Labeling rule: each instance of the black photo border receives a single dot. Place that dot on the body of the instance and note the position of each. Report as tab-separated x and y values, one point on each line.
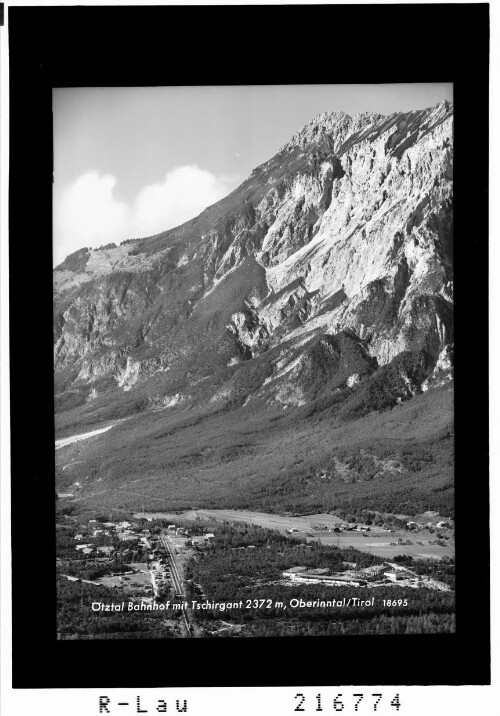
216	45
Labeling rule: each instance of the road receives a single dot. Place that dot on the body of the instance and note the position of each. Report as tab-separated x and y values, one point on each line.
175	574
62	442
83	436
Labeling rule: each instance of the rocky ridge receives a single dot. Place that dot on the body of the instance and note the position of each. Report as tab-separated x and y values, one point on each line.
333	259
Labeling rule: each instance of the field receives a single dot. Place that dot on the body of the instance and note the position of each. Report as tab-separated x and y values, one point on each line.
142	578
378	541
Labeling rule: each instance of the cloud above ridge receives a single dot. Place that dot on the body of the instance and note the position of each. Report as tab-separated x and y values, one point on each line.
184	192
87	213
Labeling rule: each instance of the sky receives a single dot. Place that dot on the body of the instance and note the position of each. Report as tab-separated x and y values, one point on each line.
131	162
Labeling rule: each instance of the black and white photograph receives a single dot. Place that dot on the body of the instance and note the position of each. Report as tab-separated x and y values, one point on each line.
253	352
248	342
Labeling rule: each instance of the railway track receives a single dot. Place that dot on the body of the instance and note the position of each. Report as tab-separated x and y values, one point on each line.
176	577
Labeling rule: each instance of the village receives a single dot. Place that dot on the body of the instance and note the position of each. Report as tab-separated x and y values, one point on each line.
147	561
340	526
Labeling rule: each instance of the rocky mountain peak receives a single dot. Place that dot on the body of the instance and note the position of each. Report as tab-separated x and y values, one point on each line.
346	231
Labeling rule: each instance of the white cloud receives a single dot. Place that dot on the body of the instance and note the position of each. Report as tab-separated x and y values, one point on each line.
183	194
87	213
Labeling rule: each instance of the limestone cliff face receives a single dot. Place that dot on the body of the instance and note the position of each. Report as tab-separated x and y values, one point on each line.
346	231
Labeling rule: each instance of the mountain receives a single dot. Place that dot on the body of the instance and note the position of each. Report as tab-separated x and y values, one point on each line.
321	289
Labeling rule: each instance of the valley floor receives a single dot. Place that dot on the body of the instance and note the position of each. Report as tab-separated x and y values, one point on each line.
378	540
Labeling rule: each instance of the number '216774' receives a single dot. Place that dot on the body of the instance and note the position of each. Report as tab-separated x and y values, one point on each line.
355	702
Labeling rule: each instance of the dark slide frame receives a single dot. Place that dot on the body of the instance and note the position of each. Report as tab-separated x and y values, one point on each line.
128	46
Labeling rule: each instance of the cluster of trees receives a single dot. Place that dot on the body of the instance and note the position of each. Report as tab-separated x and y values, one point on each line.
438	606
76	619
379	389
431	623
195	527
368	517
330	361
126	242
75	261
308	493
227	573
388	384
267	553
250	377
443	570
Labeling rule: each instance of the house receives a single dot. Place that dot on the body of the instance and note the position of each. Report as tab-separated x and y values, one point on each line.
106	549
338	580
209	537
314	577
293	571
373	573
377	569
